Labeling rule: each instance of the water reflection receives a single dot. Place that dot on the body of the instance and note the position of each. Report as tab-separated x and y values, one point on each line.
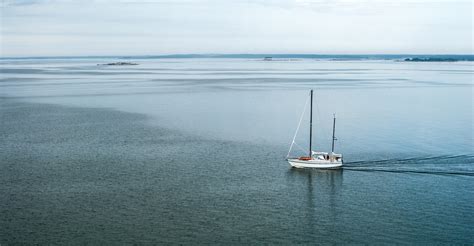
316	192
330	180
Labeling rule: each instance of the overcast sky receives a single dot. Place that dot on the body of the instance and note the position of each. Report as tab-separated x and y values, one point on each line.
153	27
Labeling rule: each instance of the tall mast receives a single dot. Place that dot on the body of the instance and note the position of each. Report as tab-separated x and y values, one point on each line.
333	133
311	123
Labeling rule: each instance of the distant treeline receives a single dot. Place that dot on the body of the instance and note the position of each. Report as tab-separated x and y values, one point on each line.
432	59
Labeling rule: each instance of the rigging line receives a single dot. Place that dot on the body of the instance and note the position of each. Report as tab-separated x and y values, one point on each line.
301	148
298	128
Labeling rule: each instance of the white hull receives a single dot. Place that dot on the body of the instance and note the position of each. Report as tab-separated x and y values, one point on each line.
322	164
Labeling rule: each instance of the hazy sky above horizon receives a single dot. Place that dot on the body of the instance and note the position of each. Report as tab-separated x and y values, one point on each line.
153	27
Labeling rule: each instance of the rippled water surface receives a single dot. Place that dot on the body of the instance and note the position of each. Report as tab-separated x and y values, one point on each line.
193	150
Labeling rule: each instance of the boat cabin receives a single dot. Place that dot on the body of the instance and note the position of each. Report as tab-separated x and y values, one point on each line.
322	156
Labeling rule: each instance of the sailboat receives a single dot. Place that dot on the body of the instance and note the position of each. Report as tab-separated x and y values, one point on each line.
316	159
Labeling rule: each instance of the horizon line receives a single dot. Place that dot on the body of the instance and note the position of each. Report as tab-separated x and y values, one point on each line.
236	55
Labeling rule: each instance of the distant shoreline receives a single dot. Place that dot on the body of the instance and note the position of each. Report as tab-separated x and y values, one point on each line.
336	57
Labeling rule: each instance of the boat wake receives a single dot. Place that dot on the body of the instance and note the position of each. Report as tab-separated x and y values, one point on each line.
462	165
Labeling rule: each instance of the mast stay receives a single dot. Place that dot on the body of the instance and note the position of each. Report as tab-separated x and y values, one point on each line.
311	125
298	128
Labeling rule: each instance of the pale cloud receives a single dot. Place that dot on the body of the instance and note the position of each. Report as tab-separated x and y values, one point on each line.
146	27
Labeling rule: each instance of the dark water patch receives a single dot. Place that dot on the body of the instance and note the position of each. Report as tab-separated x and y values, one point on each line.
220	71
157	92
438	83
22	71
269	69
26	79
245	73
62	82
202	81
232	70
183	89
468	71
77	72
92	175
261	79
272	82
455	73
230	82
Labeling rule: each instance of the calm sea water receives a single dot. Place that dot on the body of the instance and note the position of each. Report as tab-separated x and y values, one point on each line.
192	150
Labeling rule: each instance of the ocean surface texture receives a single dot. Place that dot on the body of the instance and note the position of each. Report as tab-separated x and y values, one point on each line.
186	150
